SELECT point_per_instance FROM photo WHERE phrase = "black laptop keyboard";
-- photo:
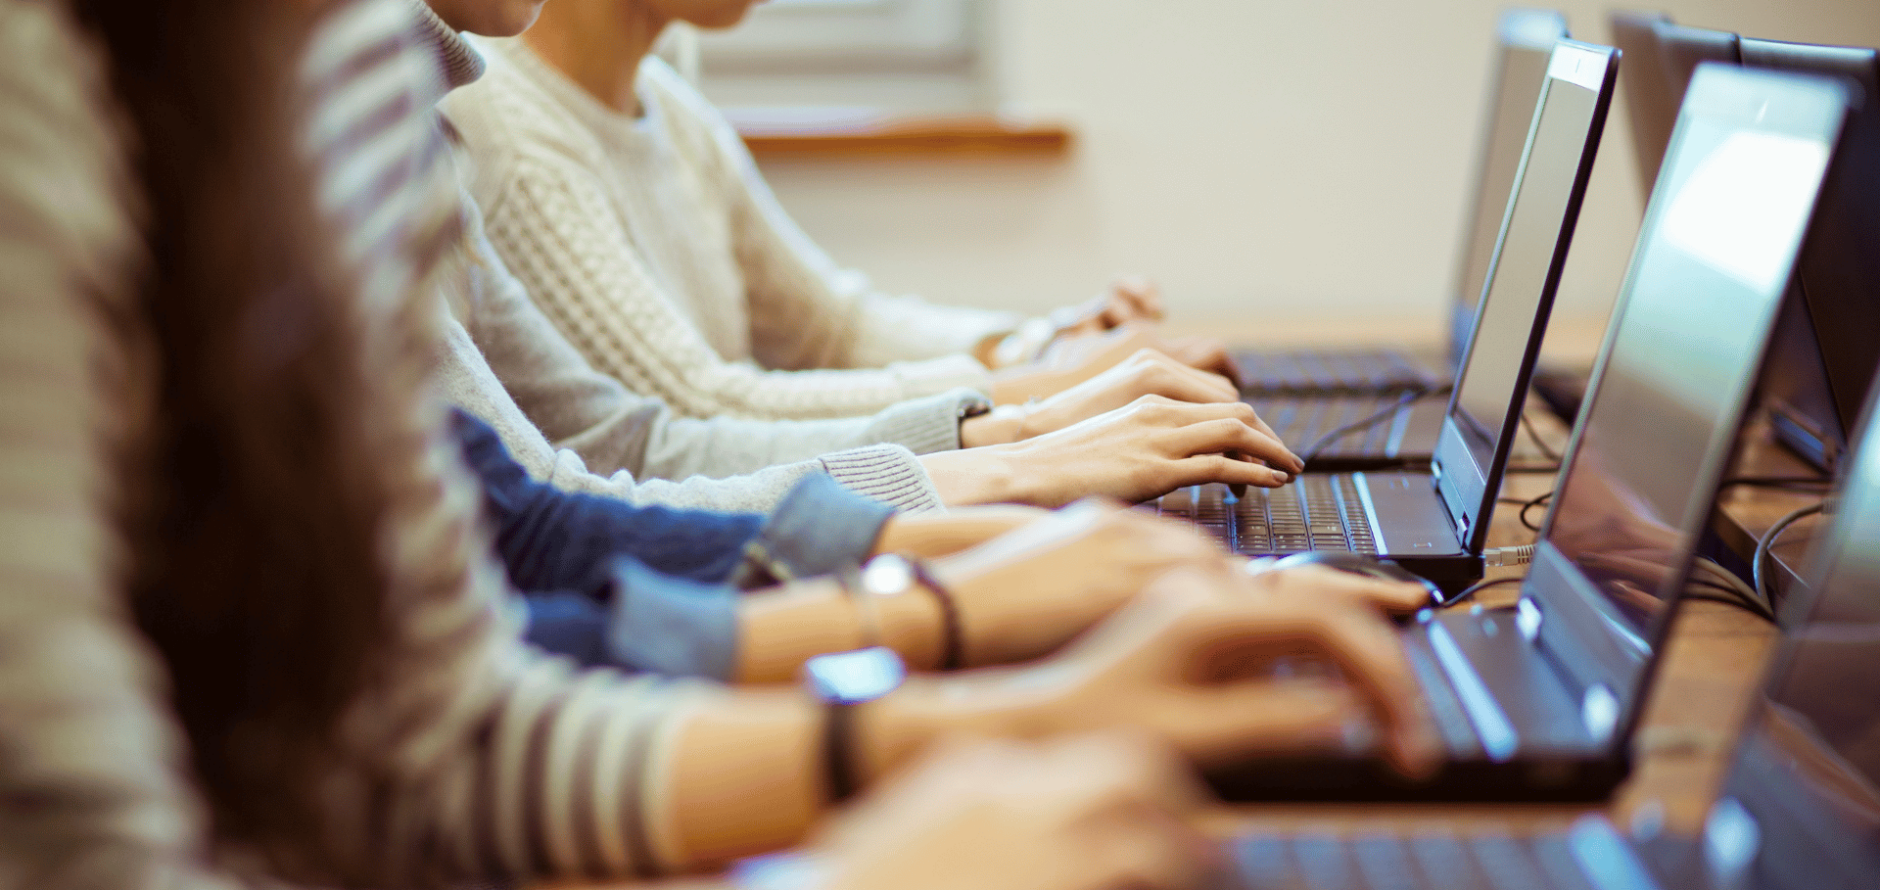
(1415, 860)
(1302, 422)
(1315, 371)
(1313, 513)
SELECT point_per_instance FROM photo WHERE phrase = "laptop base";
(1331, 371)
(1345, 433)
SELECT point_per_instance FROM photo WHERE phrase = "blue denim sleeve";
(648, 623)
(551, 539)
(817, 529)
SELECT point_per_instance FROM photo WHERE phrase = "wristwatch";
(843, 680)
(891, 575)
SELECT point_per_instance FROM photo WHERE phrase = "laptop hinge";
(1460, 517)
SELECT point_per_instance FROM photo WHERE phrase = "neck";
(598, 46)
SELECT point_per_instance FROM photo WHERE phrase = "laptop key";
(1323, 862)
(1264, 863)
(1556, 857)
(1445, 861)
(1384, 863)
(1506, 862)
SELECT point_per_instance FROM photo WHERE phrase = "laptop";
(1825, 356)
(1650, 104)
(1826, 374)
(1537, 701)
(1526, 39)
(1799, 808)
(1434, 521)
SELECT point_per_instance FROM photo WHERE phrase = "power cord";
(1469, 592)
(1527, 506)
(1730, 590)
(1758, 576)
(1406, 399)
(1787, 483)
(1527, 423)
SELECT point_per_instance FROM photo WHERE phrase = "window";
(920, 55)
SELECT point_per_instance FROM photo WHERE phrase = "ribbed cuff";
(888, 473)
(819, 528)
(937, 375)
(927, 425)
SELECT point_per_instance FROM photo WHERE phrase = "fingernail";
(1299, 463)
(1280, 476)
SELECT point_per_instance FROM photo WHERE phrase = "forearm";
(931, 536)
(979, 476)
(783, 628)
(747, 775)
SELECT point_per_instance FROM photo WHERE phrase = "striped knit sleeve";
(556, 230)
(93, 794)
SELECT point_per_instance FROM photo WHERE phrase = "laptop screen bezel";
(1588, 650)
(1526, 39)
(1468, 492)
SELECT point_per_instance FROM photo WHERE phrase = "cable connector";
(1497, 557)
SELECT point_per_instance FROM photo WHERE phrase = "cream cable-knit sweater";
(654, 244)
(576, 428)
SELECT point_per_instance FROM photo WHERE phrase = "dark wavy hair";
(252, 503)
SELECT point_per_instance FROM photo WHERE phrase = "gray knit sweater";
(654, 243)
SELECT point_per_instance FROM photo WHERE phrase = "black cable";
(1469, 592)
(1534, 468)
(1758, 578)
(1793, 483)
(1408, 398)
(1735, 599)
(1527, 423)
(1529, 505)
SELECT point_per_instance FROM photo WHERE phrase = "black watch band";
(844, 681)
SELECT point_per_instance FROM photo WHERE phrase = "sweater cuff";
(941, 374)
(887, 473)
(671, 627)
(819, 528)
(926, 425)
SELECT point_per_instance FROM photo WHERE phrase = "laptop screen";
(1527, 42)
(1522, 278)
(1803, 800)
(1686, 343)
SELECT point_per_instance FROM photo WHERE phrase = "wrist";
(913, 625)
(981, 476)
(1003, 425)
(897, 728)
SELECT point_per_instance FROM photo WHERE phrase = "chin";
(506, 18)
(728, 17)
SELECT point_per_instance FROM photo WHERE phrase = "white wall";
(1262, 159)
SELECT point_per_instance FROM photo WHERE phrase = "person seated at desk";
(253, 636)
(1118, 434)
(661, 591)
(638, 221)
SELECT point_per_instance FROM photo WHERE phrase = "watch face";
(888, 575)
(850, 678)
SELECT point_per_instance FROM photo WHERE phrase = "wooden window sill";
(841, 133)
